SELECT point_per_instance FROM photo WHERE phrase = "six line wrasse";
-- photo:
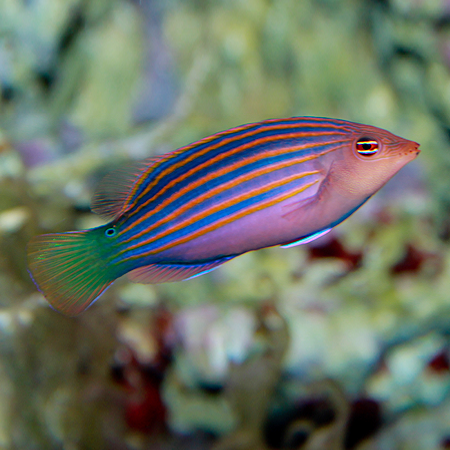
(278, 182)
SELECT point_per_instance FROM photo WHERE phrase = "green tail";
(69, 269)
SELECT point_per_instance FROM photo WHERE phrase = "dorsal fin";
(115, 188)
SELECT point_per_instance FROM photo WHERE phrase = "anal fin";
(163, 273)
(306, 239)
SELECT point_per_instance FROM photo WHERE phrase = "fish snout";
(414, 148)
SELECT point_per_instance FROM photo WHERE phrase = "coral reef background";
(340, 344)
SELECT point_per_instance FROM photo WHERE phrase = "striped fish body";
(247, 188)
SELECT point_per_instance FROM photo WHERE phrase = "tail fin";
(69, 270)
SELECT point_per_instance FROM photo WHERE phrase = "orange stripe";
(234, 150)
(212, 175)
(224, 221)
(207, 195)
(221, 206)
(218, 157)
(300, 121)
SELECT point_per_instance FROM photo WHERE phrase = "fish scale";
(289, 157)
(231, 140)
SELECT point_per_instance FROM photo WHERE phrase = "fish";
(279, 182)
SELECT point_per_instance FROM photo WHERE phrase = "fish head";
(370, 158)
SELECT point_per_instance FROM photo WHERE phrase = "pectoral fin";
(296, 209)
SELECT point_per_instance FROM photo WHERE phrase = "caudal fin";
(68, 269)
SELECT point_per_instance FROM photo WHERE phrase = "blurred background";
(340, 344)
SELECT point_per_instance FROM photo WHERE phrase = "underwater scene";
(279, 278)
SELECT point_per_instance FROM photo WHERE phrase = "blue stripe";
(174, 205)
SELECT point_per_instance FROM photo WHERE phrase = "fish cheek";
(358, 179)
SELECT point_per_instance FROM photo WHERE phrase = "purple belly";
(264, 228)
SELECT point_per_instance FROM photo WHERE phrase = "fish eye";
(367, 146)
(110, 232)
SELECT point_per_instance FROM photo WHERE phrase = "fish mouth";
(414, 148)
(408, 149)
